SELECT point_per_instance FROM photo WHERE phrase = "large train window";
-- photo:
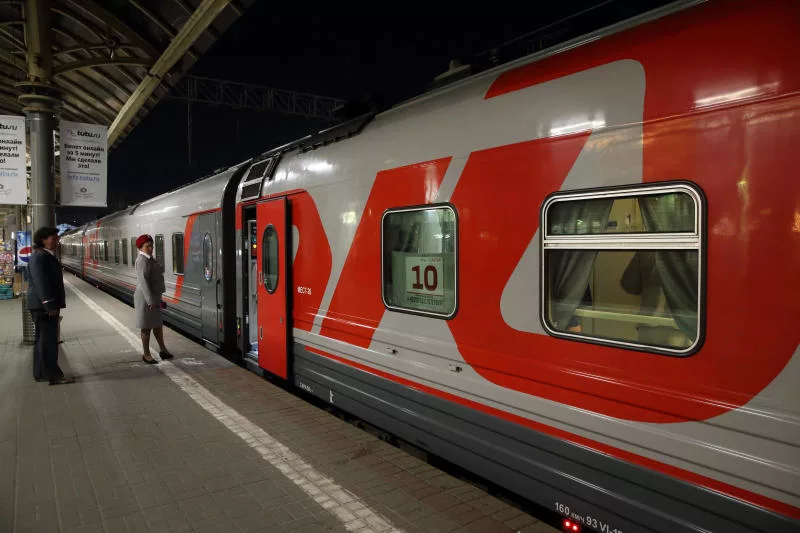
(419, 248)
(624, 267)
(177, 253)
(105, 251)
(125, 251)
(116, 251)
(269, 258)
(134, 251)
(208, 257)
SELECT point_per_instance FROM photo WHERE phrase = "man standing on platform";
(46, 298)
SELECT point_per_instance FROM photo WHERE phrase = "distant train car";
(575, 274)
(188, 228)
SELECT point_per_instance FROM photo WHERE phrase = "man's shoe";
(165, 355)
(64, 380)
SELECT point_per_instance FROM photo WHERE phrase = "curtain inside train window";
(624, 267)
(419, 250)
(159, 249)
(177, 253)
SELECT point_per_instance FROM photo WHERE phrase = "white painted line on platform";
(341, 503)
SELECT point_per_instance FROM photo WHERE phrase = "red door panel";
(271, 224)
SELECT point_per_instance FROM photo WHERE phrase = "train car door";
(273, 316)
(206, 226)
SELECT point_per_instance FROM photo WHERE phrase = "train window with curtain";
(419, 250)
(124, 251)
(624, 267)
(159, 250)
(177, 253)
(116, 251)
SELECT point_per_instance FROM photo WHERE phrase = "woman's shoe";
(150, 361)
(165, 355)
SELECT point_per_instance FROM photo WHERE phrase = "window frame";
(695, 240)
(178, 256)
(424, 207)
(265, 259)
(124, 250)
(207, 238)
(158, 242)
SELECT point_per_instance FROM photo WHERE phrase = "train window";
(177, 253)
(159, 250)
(116, 251)
(624, 267)
(269, 258)
(208, 257)
(134, 251)
(419, 253)
(124, 251)
(105, 250)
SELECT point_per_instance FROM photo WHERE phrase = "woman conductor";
(147, 298)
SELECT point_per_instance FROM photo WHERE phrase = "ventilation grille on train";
(251, 190)
(257, 171)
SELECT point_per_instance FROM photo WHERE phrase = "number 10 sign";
(424, 275)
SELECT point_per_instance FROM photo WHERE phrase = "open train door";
(273, 311)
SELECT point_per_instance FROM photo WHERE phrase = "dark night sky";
(393, 54)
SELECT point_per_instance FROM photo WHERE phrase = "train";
(552, 273)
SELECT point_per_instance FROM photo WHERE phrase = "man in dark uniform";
(45, 300)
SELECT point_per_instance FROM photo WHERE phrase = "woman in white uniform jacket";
(147, 298)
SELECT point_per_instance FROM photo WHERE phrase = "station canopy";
(112, 60)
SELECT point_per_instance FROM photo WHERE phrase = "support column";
(40, 99)
(43, 180)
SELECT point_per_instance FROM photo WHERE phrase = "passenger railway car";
(575, 275)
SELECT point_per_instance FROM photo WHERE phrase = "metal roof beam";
(13, 39)
(189, 10)
(101, 62)
(158, 21)
(14, 61)
(88, 99)
(203, 16)
(86, 47)
(104, 16)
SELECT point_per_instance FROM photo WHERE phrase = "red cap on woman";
(142, 240)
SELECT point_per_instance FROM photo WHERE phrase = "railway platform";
(198, 444)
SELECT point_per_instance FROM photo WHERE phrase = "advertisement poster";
(23, 247)
(13, 175)
(84, 164)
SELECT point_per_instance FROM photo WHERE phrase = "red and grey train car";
(575, 275)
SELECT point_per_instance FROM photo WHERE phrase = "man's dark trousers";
(45, 350)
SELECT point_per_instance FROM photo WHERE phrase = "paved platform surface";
(198, 444)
